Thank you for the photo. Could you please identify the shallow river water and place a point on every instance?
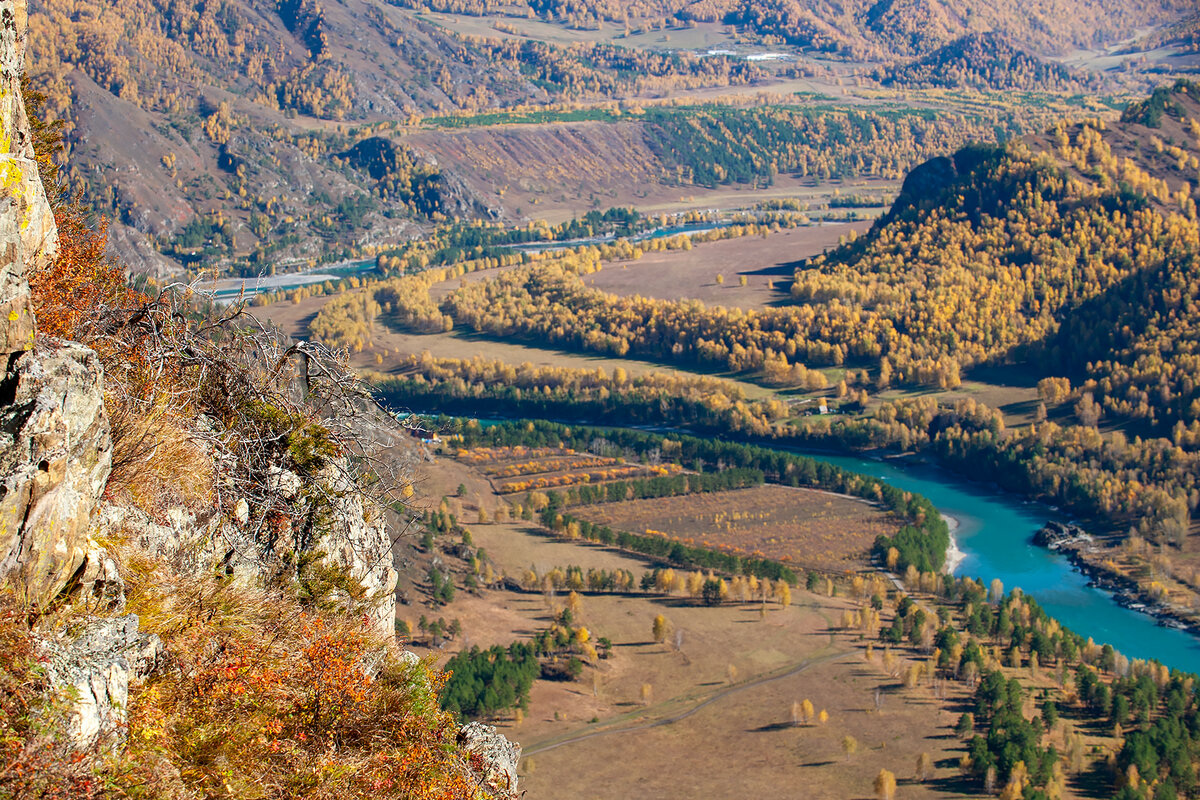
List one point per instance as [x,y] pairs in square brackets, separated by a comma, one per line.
[993,533]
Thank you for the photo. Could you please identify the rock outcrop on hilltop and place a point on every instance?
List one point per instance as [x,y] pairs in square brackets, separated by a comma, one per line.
[56,464]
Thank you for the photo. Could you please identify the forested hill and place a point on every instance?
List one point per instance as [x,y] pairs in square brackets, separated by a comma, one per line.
[861,28]
[1076,252]
[983,61]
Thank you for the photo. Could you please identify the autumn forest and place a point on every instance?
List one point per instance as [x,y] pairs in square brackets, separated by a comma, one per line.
[579,398]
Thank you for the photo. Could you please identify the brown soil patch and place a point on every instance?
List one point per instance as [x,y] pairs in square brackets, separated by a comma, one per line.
[796,526]
[556,171]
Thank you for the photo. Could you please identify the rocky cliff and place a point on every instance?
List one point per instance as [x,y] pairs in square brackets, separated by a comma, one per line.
[55,450]
[56,506]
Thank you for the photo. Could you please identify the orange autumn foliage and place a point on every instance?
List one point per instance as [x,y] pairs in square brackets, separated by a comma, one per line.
[83,279]
[267,700]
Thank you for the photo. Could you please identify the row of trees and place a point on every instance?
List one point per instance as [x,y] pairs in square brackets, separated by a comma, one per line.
[459,386]
[721,145]
[922,542]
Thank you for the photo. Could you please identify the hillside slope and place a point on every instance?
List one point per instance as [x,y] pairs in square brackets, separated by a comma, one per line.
[863,28]
[211,128]
[985,62]
[197,592]
[216,135]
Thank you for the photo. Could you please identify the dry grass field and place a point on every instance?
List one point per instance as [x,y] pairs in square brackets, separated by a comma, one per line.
[716,719]
[717,723]
[729,733]
[560,170]
[796,526]
[692,274]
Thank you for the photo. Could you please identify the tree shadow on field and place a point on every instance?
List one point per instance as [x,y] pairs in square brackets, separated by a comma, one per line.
[773,726]
[958,784]
[960,706]
[1096,781]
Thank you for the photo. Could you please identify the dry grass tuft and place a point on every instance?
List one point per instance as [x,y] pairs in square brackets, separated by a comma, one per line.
[157,462]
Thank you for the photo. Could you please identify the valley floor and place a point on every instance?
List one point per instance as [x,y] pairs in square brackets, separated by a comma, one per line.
[716,718]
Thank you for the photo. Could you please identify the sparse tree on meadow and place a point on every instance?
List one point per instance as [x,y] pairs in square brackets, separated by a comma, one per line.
[659,628]
[885,785]
[849,746]
[924,767]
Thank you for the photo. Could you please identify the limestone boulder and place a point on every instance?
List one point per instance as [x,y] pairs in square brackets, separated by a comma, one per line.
[55,458]
[92,674]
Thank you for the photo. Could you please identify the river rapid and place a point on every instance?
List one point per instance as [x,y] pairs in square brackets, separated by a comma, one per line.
[993,532]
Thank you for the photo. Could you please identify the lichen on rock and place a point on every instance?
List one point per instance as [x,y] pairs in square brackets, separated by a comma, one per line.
[55,458]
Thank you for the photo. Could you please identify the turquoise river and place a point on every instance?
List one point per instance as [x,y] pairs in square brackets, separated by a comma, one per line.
[994,532]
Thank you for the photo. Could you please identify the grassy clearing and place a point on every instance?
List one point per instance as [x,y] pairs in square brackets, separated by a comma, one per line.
[795,526]
[739,737]
[764,262]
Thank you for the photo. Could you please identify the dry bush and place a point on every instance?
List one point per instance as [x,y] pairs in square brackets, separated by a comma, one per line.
[264,700]
[157,462]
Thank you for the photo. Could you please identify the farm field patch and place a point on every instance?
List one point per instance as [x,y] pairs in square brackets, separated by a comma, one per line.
[811,529]
[519,469]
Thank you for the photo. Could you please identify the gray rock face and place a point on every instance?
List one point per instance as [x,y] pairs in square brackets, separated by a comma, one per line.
[357,539]
[28,237]
[183,542]
[55,457]
[360,542]
[94,672]
[500,758]
[99,583]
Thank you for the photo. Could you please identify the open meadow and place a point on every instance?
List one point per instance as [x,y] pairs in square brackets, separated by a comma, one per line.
[766,263]
[721,686]
[801,527]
